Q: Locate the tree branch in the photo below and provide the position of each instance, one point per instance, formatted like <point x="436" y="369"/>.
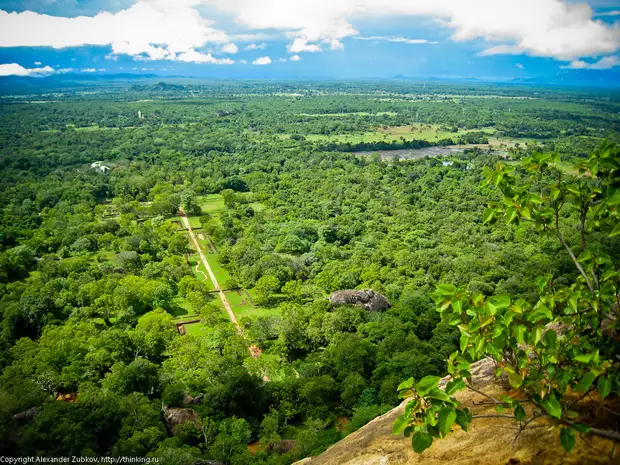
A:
<point x="570" y="252"/>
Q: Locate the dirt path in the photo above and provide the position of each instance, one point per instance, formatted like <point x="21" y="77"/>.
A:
<point x="216" y="285"/>
<point x="200" y="271"/>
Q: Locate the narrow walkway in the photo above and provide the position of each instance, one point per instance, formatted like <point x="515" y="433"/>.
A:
<point x="216" y="285"/>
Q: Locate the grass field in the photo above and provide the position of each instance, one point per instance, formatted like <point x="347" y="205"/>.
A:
<point x="419" y="131"/>
<point x="353" y="113"/>
<point x="213" y="204"/>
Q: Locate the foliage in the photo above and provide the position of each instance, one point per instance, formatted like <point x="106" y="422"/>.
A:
<point x="562" y="346"/>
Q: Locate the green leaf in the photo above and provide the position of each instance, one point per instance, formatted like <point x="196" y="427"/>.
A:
<point x="519" y="332"/>
<point x="551" y="338"/>
<point x="604" y="386"/>
<point x="400" y="424"/>
<point x="462" y="419"/>
<point x="446" y="289"/>
<point x="407" y="384"/>
<point x="567" y="438"/>
<point x="454" y="385"/>
<point x="421" y="441"/>
<point x="515" y="380"/>
<point x="519" y="412"/>
<point x="537" y="335"/>
<point x="580" y="427"/>
<point x="463" y="342"/>
<point x="440" y="395"/>
<point x="487" y="215"/>
<point x="427" y="383"/>
<point x="615" y="231"/>
<point x="584" y="358"/>
<point x="445" y="420"/>
<point x="552" y="406"/>
<point x="585" y="382"/>
<point x="501" y="301"/>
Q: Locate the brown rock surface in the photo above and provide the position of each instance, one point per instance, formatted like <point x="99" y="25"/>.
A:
<point x="365" y="298"/>
<point x="488" y="442"/>
<point x="178" y="416"/>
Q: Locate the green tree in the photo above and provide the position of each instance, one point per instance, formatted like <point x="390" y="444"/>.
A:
<point x="563" y="344"/>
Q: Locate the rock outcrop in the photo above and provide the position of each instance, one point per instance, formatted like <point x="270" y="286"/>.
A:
<point x="365" y="298"/>
<point x="175" y="417"/>
<point x="490" y="441"/>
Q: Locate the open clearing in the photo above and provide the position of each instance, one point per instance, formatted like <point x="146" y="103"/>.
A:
<point x="418" y="131"/>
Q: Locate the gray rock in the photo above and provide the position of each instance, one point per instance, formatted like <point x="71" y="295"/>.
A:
<point x="365" y="298"/>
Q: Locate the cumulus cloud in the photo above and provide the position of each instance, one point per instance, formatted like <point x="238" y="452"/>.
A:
<point x="256" y="46"/>
<point x="13" y="69"/>
<point x="88" y="70"/>
<point x="295" y="58"/>
<point x="547" y="28"/>
<point x="37" y="63"/>
<point x="192" y="56"/>
<point x="165" y="29"/>
<point x="301" y="45"/>
<point x="335" y="44"/>
<point x="154" y="29"/>
<point x="403" y="40"/>
<point x="262" y="61"/>
<point x="604" y="63"/>
<point x="230" y="48"/>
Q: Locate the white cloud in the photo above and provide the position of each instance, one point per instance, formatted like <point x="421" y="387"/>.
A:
<point x="604" y="63"/>
<point x="282" y="60"/>
<point x="519" y="65"/>
<point x="254" y="46"/>
<point x="243" y="62"/>
<point x="37" y="63"/>
<point x="404" y="40"/>
<point x="548" y="28"/>
<point x="295" y="58"/>
<point x="608" y="13"/>
<point x="13" y="69"/>
<point x="165" y="29"/>
<point x="230" y="48"/>
<point x="335" y="44"/>
<point x="88" y="70"/>
<point x="301" y="45"/>
<point x="156" y="29"/>
<point x="262" y="61"/>
<point x="111" y="57"/>
<point x="258" y="37"/>
<point x="192" y="56"/>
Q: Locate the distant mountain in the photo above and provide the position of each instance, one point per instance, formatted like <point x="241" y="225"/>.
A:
<point x="576" y="78"/>
<point x="567" y="78"/>
<point x="9" y="84"/>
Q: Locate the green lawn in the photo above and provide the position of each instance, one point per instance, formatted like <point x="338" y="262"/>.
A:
<point x="419" y="131"/>
<point x="242" y="306"/>
<point x="213" y="204"/>
<point x="220" y="273"/>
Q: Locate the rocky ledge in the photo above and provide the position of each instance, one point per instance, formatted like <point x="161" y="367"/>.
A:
<point x="490" y="441"/>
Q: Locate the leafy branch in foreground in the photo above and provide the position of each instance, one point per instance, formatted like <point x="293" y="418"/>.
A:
<point x="560" y="349"/>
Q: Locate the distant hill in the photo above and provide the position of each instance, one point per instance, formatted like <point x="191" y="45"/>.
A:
<point x="576" y="78"/>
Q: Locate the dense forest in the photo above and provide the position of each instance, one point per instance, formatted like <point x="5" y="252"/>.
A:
<point x="115" y="339"/>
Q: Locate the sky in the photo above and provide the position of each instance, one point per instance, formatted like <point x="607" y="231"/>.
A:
<point x="347" y="39"/>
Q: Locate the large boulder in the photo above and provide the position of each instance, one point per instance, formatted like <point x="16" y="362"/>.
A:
<point x="365" y="298"/>
<point x="175" y="417"/>
<point x="490" y="440"/>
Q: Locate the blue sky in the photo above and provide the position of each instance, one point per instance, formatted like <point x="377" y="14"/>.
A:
<point x="485" y="39"/>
